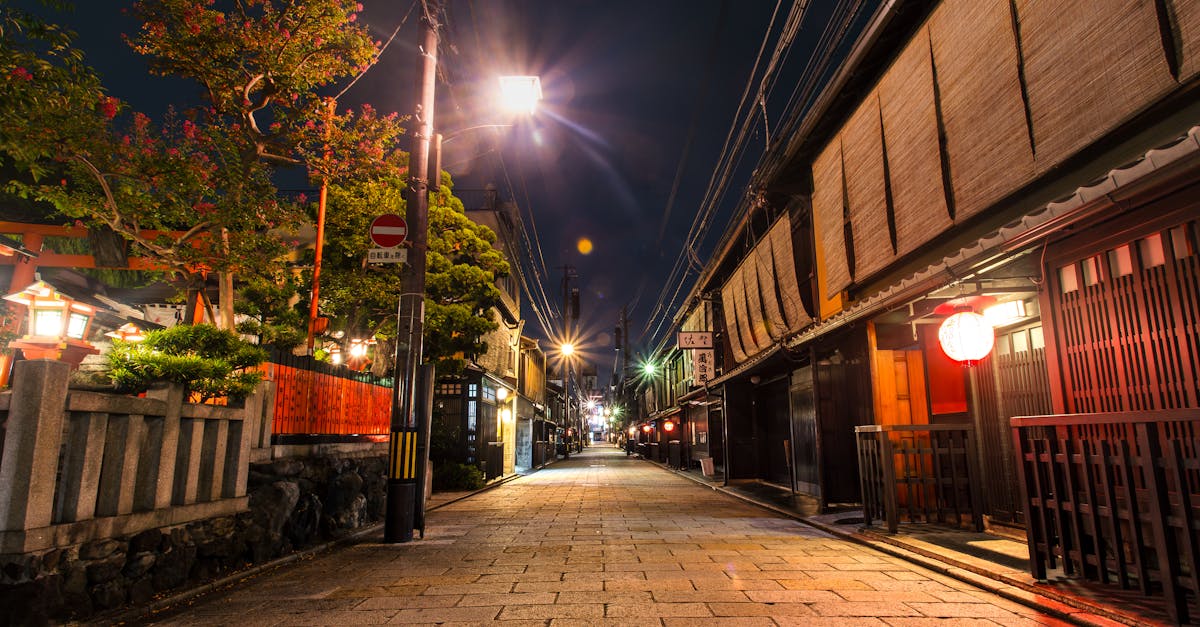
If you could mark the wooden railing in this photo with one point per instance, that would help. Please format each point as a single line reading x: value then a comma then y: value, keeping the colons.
x: 312, y: 397
x: 927, y: 473
x: 1115, y: 498
x: 78, y: 465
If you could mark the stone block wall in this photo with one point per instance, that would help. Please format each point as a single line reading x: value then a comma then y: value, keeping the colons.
x: 294, y: 504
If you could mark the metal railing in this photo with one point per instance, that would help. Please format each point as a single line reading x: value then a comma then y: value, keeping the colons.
x: 1115, y: 498
x: 313, y: 397
x: 925, y: 473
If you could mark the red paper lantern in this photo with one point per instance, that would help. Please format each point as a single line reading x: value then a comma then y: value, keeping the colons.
x: 668, y: 426
x: 966, y: 337
x: 646, y: 428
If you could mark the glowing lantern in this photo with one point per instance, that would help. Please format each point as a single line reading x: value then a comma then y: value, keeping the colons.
x: 646, y: 428
x: 58, y: 325
x: 966, y: 337
x: 668, y: 426
x: 632, y: 431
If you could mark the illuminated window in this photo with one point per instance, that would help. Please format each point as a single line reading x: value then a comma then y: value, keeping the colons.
x: 1120, y: 263
x: 1002, y: 314
x: 1068, y: 278
x: 1151, y: 250
x: 1183, y: 245
x: 76, y: 325
x: 47, y: 322
x: 1091, y: 271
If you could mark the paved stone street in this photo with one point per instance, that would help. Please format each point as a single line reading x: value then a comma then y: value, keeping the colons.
x: 604, y: 539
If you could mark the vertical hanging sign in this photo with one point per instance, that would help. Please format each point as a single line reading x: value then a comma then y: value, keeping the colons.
x: 702, y: 365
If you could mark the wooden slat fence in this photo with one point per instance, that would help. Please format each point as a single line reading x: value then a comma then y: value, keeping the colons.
x: 313, y: 397
x: 925, y: 473
x: 1115, y: 498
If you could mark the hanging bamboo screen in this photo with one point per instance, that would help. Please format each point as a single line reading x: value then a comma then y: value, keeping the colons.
x: 987, y: 140
x: 911, y: 135
x: 750, y: 342
x: 833, y: 268
x: 792, y: 306
x: 729, y: 306
x: 754, y: 305
x: 862, y: 146
x: 1187, y: 16
x: 1089, y: 65
x: 764, y: 264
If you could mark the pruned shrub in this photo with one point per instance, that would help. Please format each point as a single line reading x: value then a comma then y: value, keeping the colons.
x: 453, y: 476
x: 210, y: 362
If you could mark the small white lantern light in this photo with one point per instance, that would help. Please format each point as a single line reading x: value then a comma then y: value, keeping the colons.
x: 966, y: 337
x: 58, y: 324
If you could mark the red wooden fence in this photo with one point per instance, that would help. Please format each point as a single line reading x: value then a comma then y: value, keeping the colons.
x: 314, y: 398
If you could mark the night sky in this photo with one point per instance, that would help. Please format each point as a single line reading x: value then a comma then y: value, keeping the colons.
x: 624, y: 81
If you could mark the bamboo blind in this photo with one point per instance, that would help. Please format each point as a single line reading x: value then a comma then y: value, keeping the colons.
x: 764, y: 264
x: 827, y: 217
x: 862, y: 145
x: 910, y: 130
x: 750, y: 342
x: 987, y: 139
x: 1187, y: 16
x: 698, y: 319
x: 754, y: 303
x: 785, y: 271
x: 1089, y: 65
x: 729, y: 304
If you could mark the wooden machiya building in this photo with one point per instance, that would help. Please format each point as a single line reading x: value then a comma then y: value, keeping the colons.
x: 1039, y: 164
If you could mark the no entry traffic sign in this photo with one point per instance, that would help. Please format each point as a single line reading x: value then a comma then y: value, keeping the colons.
x: 388, y: 230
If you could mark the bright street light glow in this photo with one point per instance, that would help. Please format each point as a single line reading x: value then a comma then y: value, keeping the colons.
x: 648, y: 368
x: 520, y: 94
x: 567, y: 349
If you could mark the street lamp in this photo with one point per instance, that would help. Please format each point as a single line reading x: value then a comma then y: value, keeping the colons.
x: 520, y: 94
x: 409, y: 451
x: 566, y: 350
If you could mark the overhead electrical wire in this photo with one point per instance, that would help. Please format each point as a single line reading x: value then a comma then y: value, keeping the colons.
x: 800, y: 99
x: 701, y: 216
x: 727, y: 161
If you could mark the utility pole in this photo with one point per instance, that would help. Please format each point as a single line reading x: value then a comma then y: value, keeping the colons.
x: 403, y: 459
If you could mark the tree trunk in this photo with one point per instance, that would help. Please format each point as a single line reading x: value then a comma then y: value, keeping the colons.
x: 225, y: 296
x: 225, y: 289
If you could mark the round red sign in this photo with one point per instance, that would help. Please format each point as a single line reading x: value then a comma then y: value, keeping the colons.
x: 388, y: 230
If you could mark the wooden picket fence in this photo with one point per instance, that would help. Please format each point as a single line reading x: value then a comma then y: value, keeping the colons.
x: 316, y: 398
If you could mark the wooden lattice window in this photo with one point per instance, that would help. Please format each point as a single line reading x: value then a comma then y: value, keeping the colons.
x: 1127, y: 324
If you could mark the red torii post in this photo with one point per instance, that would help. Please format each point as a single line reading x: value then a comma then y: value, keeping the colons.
x: 25, y: 266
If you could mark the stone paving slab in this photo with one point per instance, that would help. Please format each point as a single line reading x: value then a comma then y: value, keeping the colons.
x: 603, y: 539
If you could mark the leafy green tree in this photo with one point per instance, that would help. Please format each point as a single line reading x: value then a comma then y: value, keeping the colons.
x: 270, y: 313
x: 460, y: 280
x: 194, y: 190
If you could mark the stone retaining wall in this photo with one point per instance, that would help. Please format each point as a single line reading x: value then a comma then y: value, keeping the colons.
x: 293, y: 504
